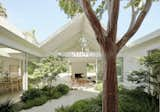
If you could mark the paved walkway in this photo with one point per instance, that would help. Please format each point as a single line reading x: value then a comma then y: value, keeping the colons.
x: 69, y: 99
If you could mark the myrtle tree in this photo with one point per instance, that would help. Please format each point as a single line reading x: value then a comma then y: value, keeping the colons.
x: 107, y: 37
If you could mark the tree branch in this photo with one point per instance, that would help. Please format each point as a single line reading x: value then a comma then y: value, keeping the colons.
x: 127, y: 36
x: 113, y: 13
x: 133, y: 18
x: 95, y: 23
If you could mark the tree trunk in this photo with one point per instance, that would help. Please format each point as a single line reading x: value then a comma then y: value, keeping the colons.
x: 159, y: 102
x: 110, y: 95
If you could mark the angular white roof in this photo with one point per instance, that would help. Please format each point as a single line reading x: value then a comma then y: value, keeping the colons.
x: 11, y: 37
x: 66, y: 39
x: 148, y: 37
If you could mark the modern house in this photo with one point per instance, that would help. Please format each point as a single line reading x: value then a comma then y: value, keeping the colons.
x: 137, y: 49
x: 75, y: 41
x: 15, y: 51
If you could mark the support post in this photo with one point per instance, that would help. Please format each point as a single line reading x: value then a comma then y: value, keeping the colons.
x: 25, y: 72
x: 96, y: 71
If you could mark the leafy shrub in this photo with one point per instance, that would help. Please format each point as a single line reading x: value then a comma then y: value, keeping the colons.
x: 79, y: 106
x: 36, y: 102
x: 7, y: 107
x: 136, y: 101
x: 63, y: 109
x: 62, y: 88
x: 56, y: 95
x: 55, y: 92
x: 87, y: 105
x: 36, y: 97
x: 31, y: 94
x: 129, y: 101
x: 49, y: 91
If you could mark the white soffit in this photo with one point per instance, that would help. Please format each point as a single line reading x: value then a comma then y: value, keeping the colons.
x: 4, y: 23
x: 68, y: 35
x: 148, y: 37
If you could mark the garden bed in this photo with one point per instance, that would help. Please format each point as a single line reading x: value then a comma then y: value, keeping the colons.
x: 36, y: 97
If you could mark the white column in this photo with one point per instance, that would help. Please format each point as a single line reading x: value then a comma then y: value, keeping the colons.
x: 96, y: 70
x: 20, y: 68
x: 25, y: 73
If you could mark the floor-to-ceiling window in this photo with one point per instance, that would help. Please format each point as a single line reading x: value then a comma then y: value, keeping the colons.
x: 120, y: 69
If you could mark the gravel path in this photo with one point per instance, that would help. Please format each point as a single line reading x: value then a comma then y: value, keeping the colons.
x: 68, y: 99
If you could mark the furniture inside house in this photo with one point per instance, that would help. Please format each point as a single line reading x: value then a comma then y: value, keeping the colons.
x: 10, y: 84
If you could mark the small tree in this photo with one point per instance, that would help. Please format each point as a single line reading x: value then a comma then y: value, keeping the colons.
x: 150, y: 77
x: 107, y: 37
x: 48, y: 68
x: 152, y: 62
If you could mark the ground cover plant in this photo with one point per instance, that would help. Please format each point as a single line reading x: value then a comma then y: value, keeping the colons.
x: 7, y: 106
x: 35, y: 97
x: 129, y: 101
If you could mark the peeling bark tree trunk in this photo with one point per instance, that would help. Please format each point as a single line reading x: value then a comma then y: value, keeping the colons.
x: 110, y: 97
x: 107, y: 41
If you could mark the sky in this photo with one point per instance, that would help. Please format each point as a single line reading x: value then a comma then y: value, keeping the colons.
x: 46, y: 17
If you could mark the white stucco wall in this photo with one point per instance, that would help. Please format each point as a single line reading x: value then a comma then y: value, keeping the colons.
x: 79, y: 67
x: 134, y: 53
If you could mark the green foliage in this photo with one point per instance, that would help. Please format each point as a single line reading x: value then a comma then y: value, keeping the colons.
x: 52, y: 92
x: 152, y: 60
x: 7, y: 107
x: 50, y: 67
x: 62, y: 88
x: 46, y: 70
x: 90, y: 67
x: 148, y: 78
x: 88, y: 105
x: 72, y: 7
x: 31, y: 67
x: 99, y: 86
x: 36, y: 97
x: 141, y: 78
x: 48, y: 91
x: 129, y: 101
x: 3, y: 11
x: 31, y: 94
x: 137, y: 101
x: 35, y: 102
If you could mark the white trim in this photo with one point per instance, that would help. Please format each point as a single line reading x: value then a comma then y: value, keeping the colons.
x: 146, y: 38
x: 12, y: 40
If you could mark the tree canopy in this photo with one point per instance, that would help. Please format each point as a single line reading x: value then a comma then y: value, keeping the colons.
x: 72, y: 7
x: 3, y: 12
x: 107, y: 37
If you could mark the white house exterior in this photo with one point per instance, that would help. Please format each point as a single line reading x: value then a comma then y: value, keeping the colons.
x: 15, y: 51
x: 137, y: 50
x: 76, y: 41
